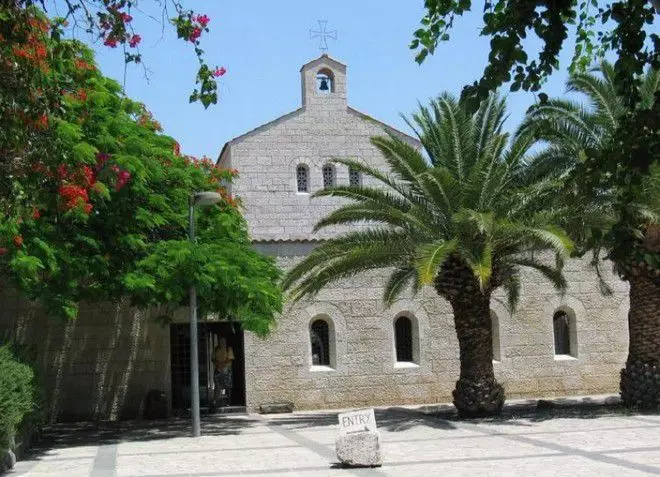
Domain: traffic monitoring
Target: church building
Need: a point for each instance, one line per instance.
(343, 348)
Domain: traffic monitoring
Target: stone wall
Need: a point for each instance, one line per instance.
(365, 371)
(99, 366)
(323, 129)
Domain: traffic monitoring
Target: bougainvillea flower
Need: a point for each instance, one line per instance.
(219, 71)
(135, 41)
(111, 42)
(196, 33)
(18, 240)
(203, 20)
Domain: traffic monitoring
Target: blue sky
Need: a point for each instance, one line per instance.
(263, 44)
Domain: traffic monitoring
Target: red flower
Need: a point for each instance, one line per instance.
(111, 41)
(177, 149)
(135, 41)
(3, 251)
(36, 214)
(122, 179)
(203, 20)
(41, 122)
(82, 64)
(196, 33)
(73, 195)
(90, 176)
(125, 17)
(62, 171)
(18, 240)
(219, 71)
(88, 208)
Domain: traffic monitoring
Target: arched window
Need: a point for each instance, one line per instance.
(328, 175)
(562, 331)
(403, 339)
(354, 177)
(495, 328)
(302, 178)
(320, 337)
(325, 82)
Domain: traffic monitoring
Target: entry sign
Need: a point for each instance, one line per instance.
(357, 421)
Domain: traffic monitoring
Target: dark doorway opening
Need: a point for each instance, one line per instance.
(209, 335)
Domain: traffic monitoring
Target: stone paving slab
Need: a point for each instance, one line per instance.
(599, 441)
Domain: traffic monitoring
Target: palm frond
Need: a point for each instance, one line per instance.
(602, 94)
(341, 246)
(512, 288)
(399, 280)
(403, 159)
(553, 275)
(430, 257)
(482, 265)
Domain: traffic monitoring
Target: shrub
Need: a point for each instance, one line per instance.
(17, 393)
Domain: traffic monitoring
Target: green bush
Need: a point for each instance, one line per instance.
(17, 393)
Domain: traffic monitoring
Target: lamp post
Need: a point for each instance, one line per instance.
(202, 199)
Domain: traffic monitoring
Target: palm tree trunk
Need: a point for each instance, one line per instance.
(640, 379)
(477, 391)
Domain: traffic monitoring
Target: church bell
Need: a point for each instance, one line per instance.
(324, 84)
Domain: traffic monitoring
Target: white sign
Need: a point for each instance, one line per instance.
(357, 421)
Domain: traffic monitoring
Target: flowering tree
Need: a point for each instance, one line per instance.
(94, 199)
(111, 22)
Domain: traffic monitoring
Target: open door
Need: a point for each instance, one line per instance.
(209, 335)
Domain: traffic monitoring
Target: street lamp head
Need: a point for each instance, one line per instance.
(206, 198)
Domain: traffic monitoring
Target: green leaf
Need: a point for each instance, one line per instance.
(430, 258)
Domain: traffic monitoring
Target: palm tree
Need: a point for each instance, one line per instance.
(617, 219)
(455, 219)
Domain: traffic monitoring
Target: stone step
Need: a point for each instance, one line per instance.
(226, 410)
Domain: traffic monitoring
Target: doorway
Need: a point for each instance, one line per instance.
(208, 335)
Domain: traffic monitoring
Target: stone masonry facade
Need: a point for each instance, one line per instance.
(363, 370)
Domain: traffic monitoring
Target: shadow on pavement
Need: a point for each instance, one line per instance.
(392, 419)
(67, 435)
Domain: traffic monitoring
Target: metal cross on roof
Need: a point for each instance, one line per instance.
(323, 34)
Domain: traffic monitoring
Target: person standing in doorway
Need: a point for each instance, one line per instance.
(223, 360)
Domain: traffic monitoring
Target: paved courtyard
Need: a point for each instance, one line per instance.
(416, 442)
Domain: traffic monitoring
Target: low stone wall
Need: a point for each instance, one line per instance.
(99, 366)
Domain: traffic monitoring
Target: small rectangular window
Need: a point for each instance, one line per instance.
(302, 178)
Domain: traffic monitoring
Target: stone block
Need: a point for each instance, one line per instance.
(361, 449)
(276, 408)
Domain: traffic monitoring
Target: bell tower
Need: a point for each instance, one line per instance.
(324, 84)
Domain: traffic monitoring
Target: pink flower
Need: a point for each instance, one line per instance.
(202, 20)
(135, 40)
(126, 18)
(196, 33)
(101, 159)
(219, 71)
(111, 42)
